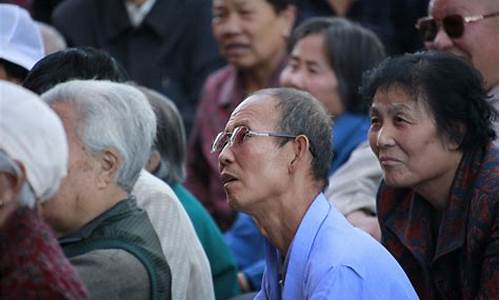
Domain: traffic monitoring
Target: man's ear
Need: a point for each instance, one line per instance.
(20, 178)
(288, 15)
(11, 184)
(300, 151)
(108, 164)
(153, 161)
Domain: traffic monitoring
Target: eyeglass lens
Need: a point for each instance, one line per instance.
(453, 26)
(237, 136)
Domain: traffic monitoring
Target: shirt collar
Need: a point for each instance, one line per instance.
(232, 91)
(115, 18)
(303, 241)
(137, 13)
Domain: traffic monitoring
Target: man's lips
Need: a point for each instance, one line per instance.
(227, 178)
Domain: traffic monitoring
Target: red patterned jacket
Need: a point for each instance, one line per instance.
(460, 260)
(32, 265)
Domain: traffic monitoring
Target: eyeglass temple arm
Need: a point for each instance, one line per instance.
(477, 18)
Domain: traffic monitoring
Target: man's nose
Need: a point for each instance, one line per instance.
(231, 26)
(225, 156)
(441, 41)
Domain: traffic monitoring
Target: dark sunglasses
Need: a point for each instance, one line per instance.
(453, 25)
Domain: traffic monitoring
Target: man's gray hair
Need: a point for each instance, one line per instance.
(301, 113)
(113, 115)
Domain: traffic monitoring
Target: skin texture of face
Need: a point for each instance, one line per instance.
(479, 43)
(256, 170)
(64, 210)
(404, 138)
(249, 32)
(308, 69)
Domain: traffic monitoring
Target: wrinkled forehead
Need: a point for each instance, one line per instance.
(255, 112)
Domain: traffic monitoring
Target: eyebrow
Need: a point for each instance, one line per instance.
(393, 109)
(310, 63)
(296, 58)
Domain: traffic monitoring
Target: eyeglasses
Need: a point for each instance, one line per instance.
(239, 135)
(454, 25)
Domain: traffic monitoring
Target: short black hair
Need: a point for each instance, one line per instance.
(350, 50)
(280, 5)
(73, 63)
(449, 86)
(13, 70)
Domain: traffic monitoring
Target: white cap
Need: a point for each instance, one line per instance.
(31, 133)
(20, 38)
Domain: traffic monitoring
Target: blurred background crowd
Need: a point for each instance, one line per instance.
(112, 110)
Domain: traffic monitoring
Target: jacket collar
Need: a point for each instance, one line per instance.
(86, 231)
(233, 88)
(116, 21)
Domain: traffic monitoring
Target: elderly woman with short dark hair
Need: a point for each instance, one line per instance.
(431, 130)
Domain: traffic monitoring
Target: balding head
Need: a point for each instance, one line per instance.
(479, 42)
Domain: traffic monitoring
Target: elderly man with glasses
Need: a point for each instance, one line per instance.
(468, 29)
(274, 156)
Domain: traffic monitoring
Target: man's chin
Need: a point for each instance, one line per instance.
(234, 202)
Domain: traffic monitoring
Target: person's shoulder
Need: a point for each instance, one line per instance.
(112, 273)
(349, 254)
(345, 282)
(351, 246)
(74, 19)
(215, 85)
(484, 204)
(219, 76)
(149, 186)
(486, 182)
(73, 7)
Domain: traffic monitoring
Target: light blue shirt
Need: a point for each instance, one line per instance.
(330, 259)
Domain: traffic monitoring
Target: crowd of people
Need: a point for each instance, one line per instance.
(249, 149)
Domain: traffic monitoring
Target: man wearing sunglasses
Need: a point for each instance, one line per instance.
(274, 157)
(468, 29)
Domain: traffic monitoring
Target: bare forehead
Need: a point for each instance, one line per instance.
(445, 7)
(395, 100)
(257, 111)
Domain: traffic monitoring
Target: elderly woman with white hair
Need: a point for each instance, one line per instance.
(33, 161)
